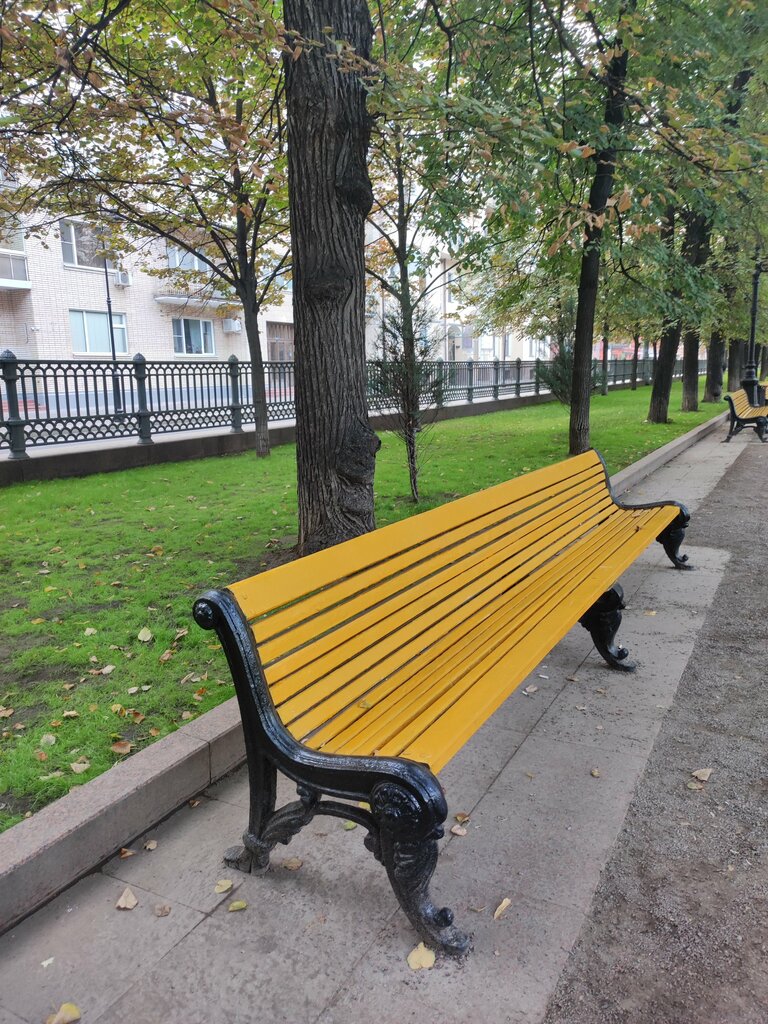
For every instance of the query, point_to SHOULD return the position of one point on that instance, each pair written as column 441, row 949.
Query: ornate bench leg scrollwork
column 602, row 622
column 406, row 844
column 672, row 536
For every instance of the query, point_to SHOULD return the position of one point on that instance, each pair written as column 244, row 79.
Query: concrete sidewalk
column 547, row 783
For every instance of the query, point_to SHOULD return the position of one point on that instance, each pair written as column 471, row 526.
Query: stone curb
column 44, row 854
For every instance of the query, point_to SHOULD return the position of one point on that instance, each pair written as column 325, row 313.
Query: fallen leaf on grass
column 458, row 830
column 118, row 709
column 223, row 885
column 702, row 774
column 41, row 755
column 162, row 910
column 186, row 715
column 421, row 958
column 132, row 690
column 107, row 670
column 53, row 775
column 179, row 634
column 127, row 900
column 90, row 631
column 47, row 739
column 67, row 1013
column 292, row 863
column 165, row 656
column 78, row 767
column 237, row 905
column 5, row 712
column 122, row 747
column 504, row 905
column 137, row 717
column 145, row 635
column 37, row 622
column 154, row 732
column 68, row 686
column 71, row 714
column 150, row 844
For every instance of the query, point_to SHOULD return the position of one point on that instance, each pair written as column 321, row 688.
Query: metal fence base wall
column 111, row 456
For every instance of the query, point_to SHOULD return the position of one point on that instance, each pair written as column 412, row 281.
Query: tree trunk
column 635, row 354
column 736, row 353
column 258, row 384
column 691, row 343
column 602, row 186
column 713, row 388
column 664, row 363
column 663, row 373
column 604, row 384
column 330, row 196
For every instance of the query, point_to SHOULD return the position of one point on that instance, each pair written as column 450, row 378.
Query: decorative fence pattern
column 65, row 401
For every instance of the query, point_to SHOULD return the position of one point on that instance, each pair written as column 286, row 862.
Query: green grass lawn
column 93, row 566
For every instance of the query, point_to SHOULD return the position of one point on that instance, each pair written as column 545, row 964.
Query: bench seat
column 742, row 414
column 362, row 670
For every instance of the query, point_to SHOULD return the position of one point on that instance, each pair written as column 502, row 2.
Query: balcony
column 197, row 296
column 14, row 275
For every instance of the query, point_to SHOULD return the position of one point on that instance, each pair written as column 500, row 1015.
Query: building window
column 13, row 262
column 90, row 332
column 193, row 337
column 280, row 342
column 180, row 259
column 80, row 246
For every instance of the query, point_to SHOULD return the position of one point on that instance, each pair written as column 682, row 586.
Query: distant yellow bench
column 741, row 414
column 361, row 670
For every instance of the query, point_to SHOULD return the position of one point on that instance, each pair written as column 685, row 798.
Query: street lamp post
column 119, row 412
column 750, row 383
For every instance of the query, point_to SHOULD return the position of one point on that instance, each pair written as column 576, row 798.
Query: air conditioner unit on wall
column 122, row 278
column 232, row 326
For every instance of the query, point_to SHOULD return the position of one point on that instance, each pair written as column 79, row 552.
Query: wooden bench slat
column 323, row 666
column 400, row 599
column 435, row 649
column 394, row 720
column 296, row 580
column 304, row 621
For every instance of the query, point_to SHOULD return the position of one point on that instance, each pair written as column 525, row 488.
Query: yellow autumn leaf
column 223, row 885
column 127, row 900
column 421, row 958
column 504, row 905
column 237, row 905
column 67, row 1013
column 145, row 635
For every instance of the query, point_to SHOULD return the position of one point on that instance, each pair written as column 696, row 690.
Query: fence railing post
column 14, row 424
column 518, row 370
column 470, row 381
column 536, row 381
column 235, row 405
column 496, row 378
column 143, row 417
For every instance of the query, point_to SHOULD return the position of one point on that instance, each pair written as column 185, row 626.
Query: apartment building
column 54, row 294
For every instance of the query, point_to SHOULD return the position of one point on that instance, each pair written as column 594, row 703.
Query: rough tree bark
column 602, row 186
column 664, row 363
column 713, row 388
column 635, row 355
column 330, row 195
column 696, row 249
column 258, row 384
column 737, row 350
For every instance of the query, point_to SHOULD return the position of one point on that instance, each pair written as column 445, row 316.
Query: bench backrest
column 358, row 610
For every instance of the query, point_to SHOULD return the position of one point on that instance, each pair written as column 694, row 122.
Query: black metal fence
column 48, row 402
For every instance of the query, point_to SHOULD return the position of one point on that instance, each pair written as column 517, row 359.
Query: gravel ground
column 678, row 929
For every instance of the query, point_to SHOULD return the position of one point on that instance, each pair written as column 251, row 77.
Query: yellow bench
column 361, row 670
column 741, row 414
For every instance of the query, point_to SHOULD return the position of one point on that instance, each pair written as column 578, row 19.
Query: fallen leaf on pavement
column 504, row 905
column 237, row 905
column 292, row 863
column 458, row 830
column 150, row 844
column 595, row 773
column 162, row 910
column 702, row 774
column 223, row 885
column 421, row 958
column 349, row 825
column 67, row 1013
column 125, row 852
column 461, row 818
column 696, row 785
column 127, row 900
